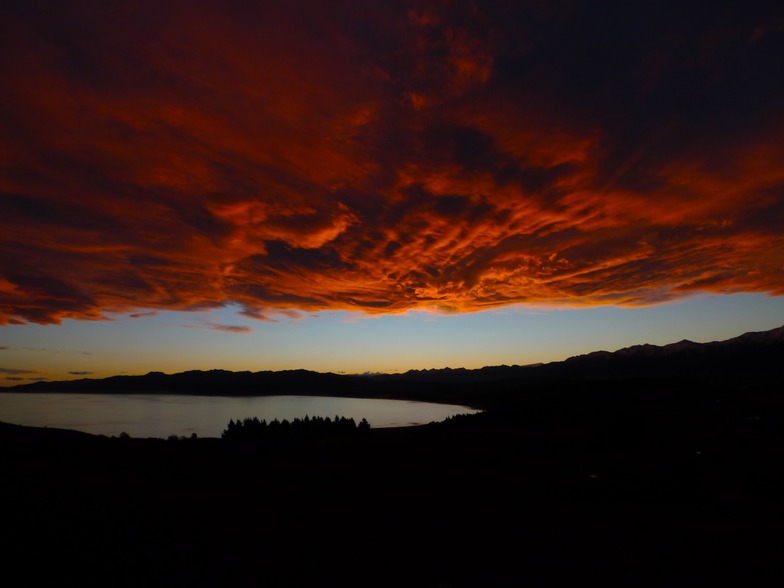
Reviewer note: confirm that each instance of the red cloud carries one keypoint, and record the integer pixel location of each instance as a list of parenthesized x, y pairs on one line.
[(290, 157)]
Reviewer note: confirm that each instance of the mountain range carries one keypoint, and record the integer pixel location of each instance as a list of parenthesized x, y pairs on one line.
[(751, 356)]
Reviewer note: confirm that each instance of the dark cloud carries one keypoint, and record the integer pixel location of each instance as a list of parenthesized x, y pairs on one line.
[(223, 328), (14, 378), (15, 371), (80, 373), (231, 328), (301, 157), (143, 314)]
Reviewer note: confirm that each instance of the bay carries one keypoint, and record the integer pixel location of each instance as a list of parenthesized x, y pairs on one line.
[(163, 415)]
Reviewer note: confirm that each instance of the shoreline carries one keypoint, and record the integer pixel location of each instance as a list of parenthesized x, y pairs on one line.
[(495, 499)]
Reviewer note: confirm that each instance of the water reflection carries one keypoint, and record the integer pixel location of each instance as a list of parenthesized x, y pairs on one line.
[(162, 415)]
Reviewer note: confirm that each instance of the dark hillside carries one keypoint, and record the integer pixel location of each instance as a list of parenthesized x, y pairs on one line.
[(625, 482), (667, 476)]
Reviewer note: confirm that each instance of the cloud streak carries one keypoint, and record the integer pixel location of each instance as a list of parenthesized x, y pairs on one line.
[(230, 328), (15, 371), (221, 328), (411, 156), (143, 314)]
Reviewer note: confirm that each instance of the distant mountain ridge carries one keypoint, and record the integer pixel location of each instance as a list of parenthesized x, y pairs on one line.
[(682, 359), (191, 382), (760, 352), (762, 338), (751, 355)]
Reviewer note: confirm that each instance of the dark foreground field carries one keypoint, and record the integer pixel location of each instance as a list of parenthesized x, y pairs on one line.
[(679, 488)]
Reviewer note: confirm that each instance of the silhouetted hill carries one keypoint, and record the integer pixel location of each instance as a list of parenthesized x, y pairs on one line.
[(211, 382), (750, 355)]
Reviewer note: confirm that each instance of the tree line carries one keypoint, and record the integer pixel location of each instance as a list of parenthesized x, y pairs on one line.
[(253, 429)]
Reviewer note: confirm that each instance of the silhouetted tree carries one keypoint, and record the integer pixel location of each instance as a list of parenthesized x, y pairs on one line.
[(255, 430)]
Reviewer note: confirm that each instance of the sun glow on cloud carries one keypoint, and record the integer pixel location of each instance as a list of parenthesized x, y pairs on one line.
[(299, 157)]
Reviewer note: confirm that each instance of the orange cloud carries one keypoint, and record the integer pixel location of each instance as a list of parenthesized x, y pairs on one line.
[(296, 157)]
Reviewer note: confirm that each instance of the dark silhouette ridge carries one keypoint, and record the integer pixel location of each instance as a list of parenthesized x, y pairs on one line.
[(685, 358), (749, 357), (213, 382)]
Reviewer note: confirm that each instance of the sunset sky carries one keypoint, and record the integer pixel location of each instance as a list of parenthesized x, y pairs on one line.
[(361, 185)]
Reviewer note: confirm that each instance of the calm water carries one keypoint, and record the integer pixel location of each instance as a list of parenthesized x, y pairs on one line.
[(161, 415)]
